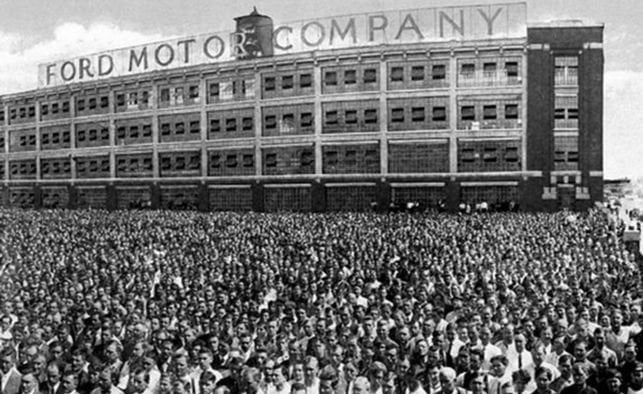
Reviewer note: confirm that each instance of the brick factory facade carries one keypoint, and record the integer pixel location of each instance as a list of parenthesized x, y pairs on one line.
[(450, 104)]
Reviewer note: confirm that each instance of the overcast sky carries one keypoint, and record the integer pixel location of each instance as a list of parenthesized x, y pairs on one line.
[(38, 31)]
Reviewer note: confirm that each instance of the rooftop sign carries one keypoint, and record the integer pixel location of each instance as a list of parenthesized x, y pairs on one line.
[(255, 36)]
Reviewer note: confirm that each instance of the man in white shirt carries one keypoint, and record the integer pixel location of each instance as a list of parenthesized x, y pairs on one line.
[(490, 351), (517, 355)]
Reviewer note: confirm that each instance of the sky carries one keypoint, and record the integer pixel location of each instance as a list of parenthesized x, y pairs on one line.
[(39, 31)]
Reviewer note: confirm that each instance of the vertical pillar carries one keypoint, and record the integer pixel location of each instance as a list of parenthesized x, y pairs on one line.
[(383, 118), (319, 119)]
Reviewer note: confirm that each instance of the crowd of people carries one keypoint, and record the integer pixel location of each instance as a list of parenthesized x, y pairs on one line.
[(185, 302)]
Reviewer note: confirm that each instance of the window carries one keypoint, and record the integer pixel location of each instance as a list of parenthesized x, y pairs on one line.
[(147, 130), (559, 156), (350, 77), (45, 139), (397, 74), (306, 159), (489, 155), (120, 99), (572, 113), (133, 99), (417, 73), (215, 125), (439, 114), (180, 163), (305, 80), (231, 124), (104, 165), (330, 78), (270, 122), (511, 111), (370, 75), (271, 160), (166, 129), (214, 90), (417, 114), (269, 84), (81, 135), (44, 109), (397, 115), (370, 116), (331, 158), (248, 160), (80, 105), (195, 127), (32, 110), (55, 138), (247, 123), (165, 95), (468, 112), (559, 113), (306, 119), (331, 118), (104, 133), (350, 116), (193, 91), (215, 161), (92, 103), (572, 156), (54, 108), (178, 95), (489, 112), (511, 69), (65, 106), (104, 101), (66, 138), (287, 82), (511, 154), (489, 70), (468, 155), (166, 163), (195, 162), (468, 70), (93, 135), (133, 131), (351, 157)]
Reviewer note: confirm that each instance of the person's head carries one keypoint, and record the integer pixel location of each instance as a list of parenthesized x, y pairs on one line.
[(543, 377), (328, 380), (538, 354), (447, 378), (298, 388), (629, 354), (520, 341), (477, 384), (361, 385), (520, 379), (350, 371), (613, 381), (499, 365), (28, 384), (181, 365), (637, 375), (139, 381), (311, 367), (580, 350), (7, 359), (69, 382), (376, 374), (565, 365), (250, 380), (579, 373), (105, 379), (389, 383), (53, 373)]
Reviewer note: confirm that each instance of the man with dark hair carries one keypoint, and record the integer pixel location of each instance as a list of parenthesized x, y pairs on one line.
[(52, 383), (69, 383), (543, 380), (11, 378), (580, 373), (328, 381)]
